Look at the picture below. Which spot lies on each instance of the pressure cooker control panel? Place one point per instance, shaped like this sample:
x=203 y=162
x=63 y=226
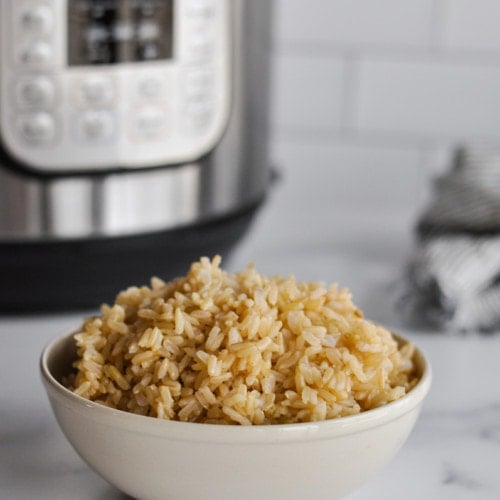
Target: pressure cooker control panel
x=99 y=84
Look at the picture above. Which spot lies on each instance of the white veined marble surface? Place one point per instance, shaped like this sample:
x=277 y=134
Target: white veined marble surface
x=454 y=451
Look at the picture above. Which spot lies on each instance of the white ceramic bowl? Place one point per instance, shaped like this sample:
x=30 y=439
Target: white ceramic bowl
x=154 y=459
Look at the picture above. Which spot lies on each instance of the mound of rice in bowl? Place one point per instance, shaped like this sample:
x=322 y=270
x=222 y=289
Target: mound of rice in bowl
x=243 y=348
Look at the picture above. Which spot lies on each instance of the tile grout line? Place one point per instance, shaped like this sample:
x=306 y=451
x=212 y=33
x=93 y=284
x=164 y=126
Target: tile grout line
x=367 y=137
x=439 y=11
x=436 y=54
x=349 y=93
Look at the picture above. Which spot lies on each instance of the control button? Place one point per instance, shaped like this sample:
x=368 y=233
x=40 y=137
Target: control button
x=96 y=125
x=123 y=31
x=148 y=7
x=150 y=122
x=38 y=92
x=96 y=91
x=38 y=19
x=200 y=45
x=37 y=128
x=150 y=87
x=38 y=53
x=198 y=115
x=198 y=82
x=149 y=51
x=148 y=30
x=201 y=9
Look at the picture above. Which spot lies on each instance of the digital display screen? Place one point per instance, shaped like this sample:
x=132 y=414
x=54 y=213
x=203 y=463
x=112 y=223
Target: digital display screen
x=116 y=31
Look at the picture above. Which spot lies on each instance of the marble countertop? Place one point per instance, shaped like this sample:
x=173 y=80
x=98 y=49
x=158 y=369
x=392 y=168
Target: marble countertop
x=454 y=450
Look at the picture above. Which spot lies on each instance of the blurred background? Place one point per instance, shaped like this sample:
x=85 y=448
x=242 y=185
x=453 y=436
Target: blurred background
x=369 y=100
x=390 y=84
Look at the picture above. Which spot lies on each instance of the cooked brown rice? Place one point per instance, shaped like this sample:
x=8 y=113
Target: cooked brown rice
x=238 y=349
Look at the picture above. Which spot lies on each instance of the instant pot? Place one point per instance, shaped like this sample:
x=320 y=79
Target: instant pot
x=133 y=139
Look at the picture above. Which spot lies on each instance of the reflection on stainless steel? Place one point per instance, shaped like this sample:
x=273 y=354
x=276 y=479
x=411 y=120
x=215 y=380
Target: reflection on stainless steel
x=110 y=205
x=150 y=200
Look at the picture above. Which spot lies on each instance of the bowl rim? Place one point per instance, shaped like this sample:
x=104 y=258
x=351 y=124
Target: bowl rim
x=219 y=433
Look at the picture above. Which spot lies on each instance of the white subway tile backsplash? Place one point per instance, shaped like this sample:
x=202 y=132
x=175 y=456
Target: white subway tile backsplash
x=307 y=92
x=353 y=174
x=471 y=24
x=373 y=97
x=355 y=22
x=428 y=99
x=326 y=193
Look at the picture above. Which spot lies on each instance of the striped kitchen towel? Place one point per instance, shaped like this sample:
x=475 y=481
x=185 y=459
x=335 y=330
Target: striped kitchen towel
x=454 y=276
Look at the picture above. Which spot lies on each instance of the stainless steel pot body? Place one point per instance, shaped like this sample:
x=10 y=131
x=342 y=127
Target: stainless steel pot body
x=46 y=206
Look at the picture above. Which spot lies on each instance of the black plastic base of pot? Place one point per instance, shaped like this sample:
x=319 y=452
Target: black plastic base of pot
x=82 y=274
